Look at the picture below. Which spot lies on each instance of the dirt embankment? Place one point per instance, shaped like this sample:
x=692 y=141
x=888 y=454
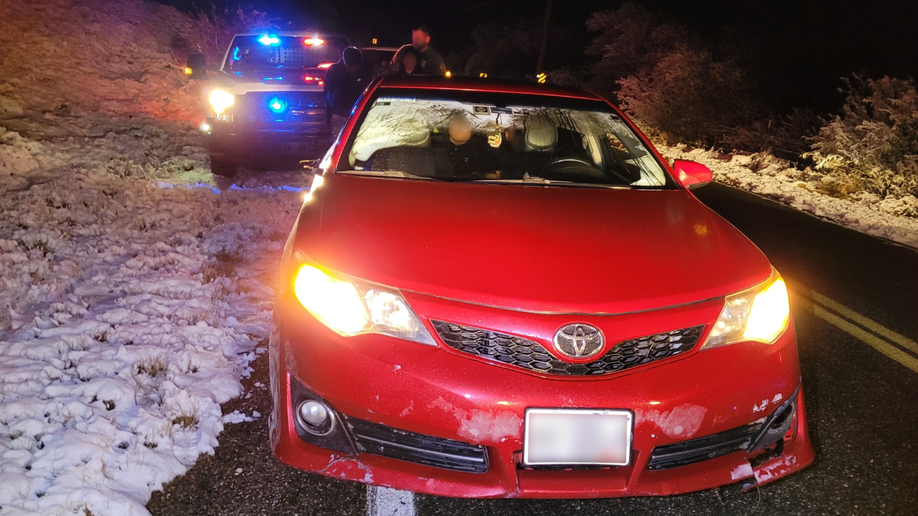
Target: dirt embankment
x=67 y=63
x=99 y=84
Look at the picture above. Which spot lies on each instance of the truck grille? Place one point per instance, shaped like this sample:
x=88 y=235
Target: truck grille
x=418 y=448
x=527 y=354
x=298 y=107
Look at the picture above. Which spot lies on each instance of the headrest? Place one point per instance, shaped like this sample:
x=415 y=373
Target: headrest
x=541 y=134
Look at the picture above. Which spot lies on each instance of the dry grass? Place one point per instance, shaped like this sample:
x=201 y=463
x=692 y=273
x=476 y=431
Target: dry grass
x=224 y=265
x=152 y=367
x=186 y=421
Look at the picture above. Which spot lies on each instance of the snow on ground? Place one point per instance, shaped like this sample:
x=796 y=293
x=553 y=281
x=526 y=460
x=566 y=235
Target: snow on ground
x=130 y=308
x=895 y=219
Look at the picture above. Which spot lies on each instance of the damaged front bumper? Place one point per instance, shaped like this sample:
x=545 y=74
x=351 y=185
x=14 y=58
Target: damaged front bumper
x=423 y=420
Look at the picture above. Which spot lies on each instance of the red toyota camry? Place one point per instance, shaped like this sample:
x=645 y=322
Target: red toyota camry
x=503 y=290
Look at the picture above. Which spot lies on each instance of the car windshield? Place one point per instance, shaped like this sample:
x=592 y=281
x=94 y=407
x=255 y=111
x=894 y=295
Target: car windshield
x=261 y=52
x=499 y=138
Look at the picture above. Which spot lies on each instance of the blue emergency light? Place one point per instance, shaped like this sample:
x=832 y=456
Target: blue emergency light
x=277 y=105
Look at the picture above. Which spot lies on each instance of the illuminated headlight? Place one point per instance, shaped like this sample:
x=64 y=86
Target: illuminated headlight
x=220 y=100
x=350 y=308
x=759 y=314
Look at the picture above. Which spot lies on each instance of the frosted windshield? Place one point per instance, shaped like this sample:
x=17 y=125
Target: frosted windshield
x=457 y=139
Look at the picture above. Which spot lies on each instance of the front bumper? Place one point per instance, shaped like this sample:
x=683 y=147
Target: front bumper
x=406 y=389
x=238 y=141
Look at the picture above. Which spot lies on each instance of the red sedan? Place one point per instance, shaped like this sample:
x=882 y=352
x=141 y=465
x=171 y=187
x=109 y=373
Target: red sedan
x=503 y=290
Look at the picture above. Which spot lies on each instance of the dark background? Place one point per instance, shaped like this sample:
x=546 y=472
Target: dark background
x=806 y=46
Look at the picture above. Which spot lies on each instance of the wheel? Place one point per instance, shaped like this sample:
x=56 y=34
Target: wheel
x=223 y=167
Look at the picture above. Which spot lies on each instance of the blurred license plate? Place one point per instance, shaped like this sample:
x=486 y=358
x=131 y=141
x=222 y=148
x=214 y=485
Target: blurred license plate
x=577 y=437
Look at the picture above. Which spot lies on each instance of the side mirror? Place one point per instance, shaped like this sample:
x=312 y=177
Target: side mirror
x=692 y=175
x=196 y=67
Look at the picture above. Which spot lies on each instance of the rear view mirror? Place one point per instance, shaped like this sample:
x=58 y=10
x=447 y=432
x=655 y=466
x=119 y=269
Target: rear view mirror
x=692 y=175
x=196 y=67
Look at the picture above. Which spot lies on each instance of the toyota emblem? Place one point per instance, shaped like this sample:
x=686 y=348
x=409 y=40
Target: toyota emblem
x=579 y=340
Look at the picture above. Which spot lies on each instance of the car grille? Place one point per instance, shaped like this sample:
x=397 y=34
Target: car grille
x=418 y=448
x=526 y=354
x=704 y=448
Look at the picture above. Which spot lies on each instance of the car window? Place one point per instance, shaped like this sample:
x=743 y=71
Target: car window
x=478 y=136
x=269 y=52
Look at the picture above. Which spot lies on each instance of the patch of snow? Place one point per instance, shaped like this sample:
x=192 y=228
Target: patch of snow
x=128 y=314
x=238 y=417
x=894 y=219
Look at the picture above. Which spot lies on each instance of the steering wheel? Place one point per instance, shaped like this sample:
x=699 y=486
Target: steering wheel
x=570 y=167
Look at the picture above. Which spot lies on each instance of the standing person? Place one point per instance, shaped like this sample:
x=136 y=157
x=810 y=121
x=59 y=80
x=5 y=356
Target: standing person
x=429 y=60
x=343 y=84
x=410 y=62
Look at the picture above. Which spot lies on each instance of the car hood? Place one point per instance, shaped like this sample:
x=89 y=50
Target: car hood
x=531 y=248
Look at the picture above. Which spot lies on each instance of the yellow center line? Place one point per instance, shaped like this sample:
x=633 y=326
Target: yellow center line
x=870 y=324
x=857 y=332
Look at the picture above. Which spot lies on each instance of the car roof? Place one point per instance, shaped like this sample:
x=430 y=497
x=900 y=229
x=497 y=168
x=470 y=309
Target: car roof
x=488 y=85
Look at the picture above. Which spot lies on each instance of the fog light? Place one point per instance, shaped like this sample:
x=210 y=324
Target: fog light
x=315 y=417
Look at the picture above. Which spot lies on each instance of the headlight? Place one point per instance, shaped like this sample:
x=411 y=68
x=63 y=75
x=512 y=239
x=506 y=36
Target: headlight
x=350 y=308
x=760 y=314
x=220 y=100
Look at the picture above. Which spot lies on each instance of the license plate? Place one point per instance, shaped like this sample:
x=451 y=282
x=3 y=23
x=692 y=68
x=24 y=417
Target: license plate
x=573 y=437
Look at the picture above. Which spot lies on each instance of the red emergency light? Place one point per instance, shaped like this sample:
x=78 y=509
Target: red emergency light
x=309 y=42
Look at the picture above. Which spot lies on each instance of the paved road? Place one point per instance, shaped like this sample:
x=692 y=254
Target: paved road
x=855 y=303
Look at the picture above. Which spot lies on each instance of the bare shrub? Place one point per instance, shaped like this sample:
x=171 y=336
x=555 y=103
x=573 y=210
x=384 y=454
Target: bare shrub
x=786 y=137
x=874 y=140
x=690 y=97
x=209 y=30
x=629 y=40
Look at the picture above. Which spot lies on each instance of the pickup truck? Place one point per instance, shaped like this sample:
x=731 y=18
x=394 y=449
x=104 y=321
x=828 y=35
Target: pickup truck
x=267 y=100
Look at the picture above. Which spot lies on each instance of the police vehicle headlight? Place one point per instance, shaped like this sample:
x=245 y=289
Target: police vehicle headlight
x=220 y=100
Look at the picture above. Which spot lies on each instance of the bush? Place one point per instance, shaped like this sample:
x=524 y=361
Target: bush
x=209 y=31
x=787 y=137
x=874 y=140
x=691 y=98
x=504 y=52
x=629 y=40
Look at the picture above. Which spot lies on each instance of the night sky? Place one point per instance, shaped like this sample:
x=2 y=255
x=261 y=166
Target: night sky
x=808 y=45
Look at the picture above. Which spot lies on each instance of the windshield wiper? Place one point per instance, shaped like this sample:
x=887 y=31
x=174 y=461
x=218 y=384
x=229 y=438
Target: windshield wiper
x=527 y=179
